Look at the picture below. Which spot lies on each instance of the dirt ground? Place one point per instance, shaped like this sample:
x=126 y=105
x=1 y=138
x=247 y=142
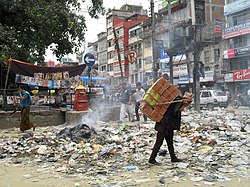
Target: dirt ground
x=20 y=175
x=32 y=176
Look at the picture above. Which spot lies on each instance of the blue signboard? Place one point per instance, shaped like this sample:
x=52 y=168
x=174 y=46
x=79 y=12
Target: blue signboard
x=184 y=79
x=89 y=59
x=163 y=54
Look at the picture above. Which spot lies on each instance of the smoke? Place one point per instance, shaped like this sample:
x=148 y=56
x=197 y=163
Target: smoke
x=99 y=112
x=95 y=116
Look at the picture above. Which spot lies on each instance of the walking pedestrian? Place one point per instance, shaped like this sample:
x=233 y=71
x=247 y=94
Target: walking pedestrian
x=165 y=128
x=25 y=102
x=126 y=101
x=138 y=95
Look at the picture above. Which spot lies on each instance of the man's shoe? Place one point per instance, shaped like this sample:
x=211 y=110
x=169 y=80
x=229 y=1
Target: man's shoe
x=154 y=162
x=176 y=160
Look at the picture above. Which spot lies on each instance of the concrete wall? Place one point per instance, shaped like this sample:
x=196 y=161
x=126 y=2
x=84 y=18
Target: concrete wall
x=42 y=118
x=45 y=118
x=106 y=114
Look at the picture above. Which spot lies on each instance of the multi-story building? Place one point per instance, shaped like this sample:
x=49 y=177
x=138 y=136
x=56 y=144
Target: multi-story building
x=237 y=41
x=136 y=69
x=119 y=21
x=102 y=53
x=176 y=32
x=66 y=61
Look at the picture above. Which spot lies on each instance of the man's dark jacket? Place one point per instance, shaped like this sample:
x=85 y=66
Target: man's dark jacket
x=171 y=119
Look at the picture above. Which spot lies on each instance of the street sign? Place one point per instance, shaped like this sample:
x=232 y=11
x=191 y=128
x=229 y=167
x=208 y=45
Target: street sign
x=89 y=59
x=132 y=56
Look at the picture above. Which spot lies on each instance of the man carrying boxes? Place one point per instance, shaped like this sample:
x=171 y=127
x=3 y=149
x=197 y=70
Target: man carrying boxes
x=163 y=104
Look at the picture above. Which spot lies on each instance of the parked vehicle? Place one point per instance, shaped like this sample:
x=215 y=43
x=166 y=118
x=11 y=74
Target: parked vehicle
x=213 y=98
x=218 y=97
x=241 y=100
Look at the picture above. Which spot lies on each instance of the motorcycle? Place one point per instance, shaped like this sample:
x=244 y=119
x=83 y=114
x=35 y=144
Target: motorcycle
x=241 y=101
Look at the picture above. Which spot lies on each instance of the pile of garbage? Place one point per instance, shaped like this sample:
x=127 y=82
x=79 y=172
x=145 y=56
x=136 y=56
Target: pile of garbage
x=214 y=145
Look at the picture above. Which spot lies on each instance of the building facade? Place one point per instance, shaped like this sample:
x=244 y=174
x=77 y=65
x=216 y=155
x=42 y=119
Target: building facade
x=178 y=38
x=173 y=32
x=236 y=36
x=102 y=53
x=119 y=21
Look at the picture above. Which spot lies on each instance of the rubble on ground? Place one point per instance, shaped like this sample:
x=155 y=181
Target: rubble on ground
x=214 y=145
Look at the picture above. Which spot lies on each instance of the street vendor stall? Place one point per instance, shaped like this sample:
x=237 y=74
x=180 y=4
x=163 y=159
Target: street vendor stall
x=66 y=77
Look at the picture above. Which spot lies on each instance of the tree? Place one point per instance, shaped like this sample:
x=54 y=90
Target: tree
x=28 y=27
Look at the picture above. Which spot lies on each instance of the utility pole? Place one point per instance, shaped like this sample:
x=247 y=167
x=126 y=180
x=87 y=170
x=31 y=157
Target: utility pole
x=198 y=44
x=196 y=75
x=155 y=69
x=118 y=53
x=170 y=53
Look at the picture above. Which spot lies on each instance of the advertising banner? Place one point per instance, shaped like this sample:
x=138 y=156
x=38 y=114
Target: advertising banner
x=242 y=51
x=237 y=30
x=236 y=6
x=180 y=70
x=209 y=76
x=164 y=58
x=241 y=74
x=237 y=52
x=184 y=79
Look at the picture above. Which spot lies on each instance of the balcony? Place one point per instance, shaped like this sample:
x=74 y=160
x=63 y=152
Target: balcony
x=112 y=48
x=145 y=34
x=134 y=39
x=110 y=61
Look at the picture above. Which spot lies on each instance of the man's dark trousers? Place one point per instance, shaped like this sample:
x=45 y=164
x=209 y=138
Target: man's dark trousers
x=169 y=136
x=137 y=106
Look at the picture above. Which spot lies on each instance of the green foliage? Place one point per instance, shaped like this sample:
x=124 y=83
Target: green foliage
x=28 y=27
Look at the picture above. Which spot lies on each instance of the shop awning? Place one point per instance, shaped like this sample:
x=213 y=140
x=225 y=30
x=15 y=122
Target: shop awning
x=27 y=69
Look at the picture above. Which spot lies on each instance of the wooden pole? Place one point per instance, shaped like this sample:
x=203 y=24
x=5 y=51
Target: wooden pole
x=5 y=86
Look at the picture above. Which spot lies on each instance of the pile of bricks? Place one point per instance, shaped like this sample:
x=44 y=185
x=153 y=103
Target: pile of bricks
x=153 y=101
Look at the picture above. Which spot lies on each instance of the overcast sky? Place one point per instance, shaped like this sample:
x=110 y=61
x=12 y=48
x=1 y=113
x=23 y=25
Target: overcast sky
x=95 y=26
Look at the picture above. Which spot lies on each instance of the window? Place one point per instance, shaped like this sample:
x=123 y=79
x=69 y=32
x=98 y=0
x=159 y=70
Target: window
x=239 y=18
x=110 y=55
x=139 y=51
x=239 y=41
x=216 y=55
x=110 y=67
x=218 y=93
x=121 y=44
x=207 y=68
x=110 y=31
x=206 y=94
x=139 y=63
x=239 y=63
x=206 y=56
x=109 y=43
x=103 y=68
x=135 y=32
